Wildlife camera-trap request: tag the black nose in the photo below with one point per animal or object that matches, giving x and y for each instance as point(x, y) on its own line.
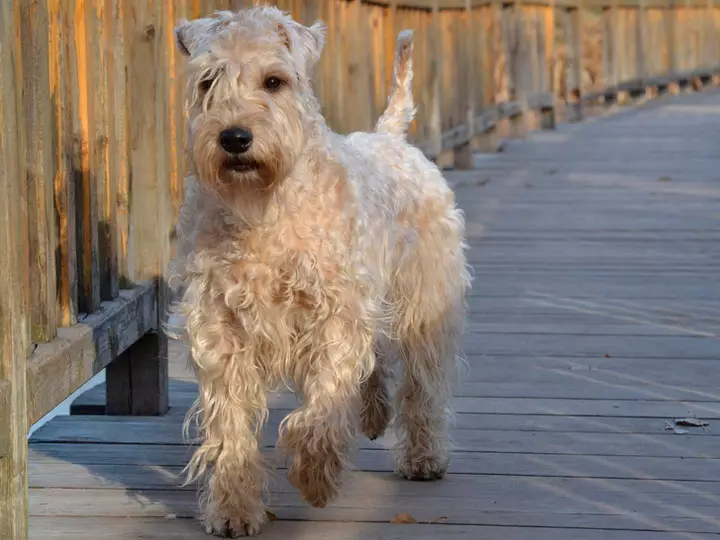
point(236, 140)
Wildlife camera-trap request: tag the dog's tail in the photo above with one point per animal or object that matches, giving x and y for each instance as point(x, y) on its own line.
point(400, 109)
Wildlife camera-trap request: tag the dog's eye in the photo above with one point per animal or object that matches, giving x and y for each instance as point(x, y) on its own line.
point(205, 85)
point(273, 84)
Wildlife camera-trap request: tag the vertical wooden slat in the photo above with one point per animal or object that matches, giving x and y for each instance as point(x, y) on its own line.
point(671, 34)
point(99, 133)
point(86, 198)
point(640, 31)
point(466, 67)
point(610, 52)
point(38, 173)
point(14, 317)
point(574, 25)
point(60, 43)
point(513, 41)
point(548, 47)
point(435, 120)
point(118, 128)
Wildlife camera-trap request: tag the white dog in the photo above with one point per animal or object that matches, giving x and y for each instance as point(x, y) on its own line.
point(309, 259)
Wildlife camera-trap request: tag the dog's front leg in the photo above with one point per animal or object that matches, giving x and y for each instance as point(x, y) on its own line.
point(319, 434)
point(231, 409)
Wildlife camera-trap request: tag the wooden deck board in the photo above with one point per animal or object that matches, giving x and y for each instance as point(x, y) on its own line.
point(594, 321)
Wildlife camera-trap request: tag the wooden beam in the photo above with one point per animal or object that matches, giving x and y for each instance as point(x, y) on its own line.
point(58, 368)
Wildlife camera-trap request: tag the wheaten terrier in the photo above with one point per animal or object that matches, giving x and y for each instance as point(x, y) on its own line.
point(312, 260)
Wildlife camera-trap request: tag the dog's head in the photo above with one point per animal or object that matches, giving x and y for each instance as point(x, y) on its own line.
point(250, 101)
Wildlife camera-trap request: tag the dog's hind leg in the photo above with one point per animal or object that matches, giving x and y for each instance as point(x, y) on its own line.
point(429, 295)
point(376, 411)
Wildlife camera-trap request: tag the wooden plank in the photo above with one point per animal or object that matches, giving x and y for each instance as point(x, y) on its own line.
point(486, 500)
point(86, 200)
point(61, 69)
point(58, 368)
point(99, 132)
point(178, 529)
point(500, 440)
point(5, 418)
point(169, 429)
point(39, 168)
point(59, 475)
point(14, 311)
point(119, 119)
point(57, 464)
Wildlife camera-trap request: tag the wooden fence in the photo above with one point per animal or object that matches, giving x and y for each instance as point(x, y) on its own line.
point(92, 132)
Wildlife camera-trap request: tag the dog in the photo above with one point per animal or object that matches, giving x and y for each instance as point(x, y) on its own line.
point(310, 260)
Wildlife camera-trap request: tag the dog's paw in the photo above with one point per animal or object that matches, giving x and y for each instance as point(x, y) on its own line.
point(225, 528)
point(425, 468)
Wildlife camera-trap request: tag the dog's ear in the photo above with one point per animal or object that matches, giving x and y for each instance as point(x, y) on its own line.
point(304, 42)
point(191, 35)
point(183, 37)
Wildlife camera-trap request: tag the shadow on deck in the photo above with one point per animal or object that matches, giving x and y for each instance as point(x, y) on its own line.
point(594, 323)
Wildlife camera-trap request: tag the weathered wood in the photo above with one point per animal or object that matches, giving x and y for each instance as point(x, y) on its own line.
point(179, 529)
point(516, 507)
point(150, 201)
point(85, 179)
point(56, 369)
point(14, 310)
point(573, 26)
point(589, 219)
point(135, 378)
point(67, 466)
point(61, 69)
point(39, 168)
point(100, 96)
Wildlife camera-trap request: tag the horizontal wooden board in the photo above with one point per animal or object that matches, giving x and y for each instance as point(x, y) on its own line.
point(185, 529)
point(545, 442)
point(561, 500)
point(66, 465)
point(58, 368)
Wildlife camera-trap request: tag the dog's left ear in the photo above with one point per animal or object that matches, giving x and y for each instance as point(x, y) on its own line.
point(304, 41)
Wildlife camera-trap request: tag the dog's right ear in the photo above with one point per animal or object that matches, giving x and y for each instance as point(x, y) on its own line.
point(192, 35)
point(183, 35)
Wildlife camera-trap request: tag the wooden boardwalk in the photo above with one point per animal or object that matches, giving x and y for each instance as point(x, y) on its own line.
point(594, 323)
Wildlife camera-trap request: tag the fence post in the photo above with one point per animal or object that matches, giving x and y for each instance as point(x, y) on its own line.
point(14, 315)
point(137, 381)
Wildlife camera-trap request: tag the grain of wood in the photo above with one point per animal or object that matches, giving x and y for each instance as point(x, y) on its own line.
point(61, 69)
point(39, 172)
point(14, 312)
point(178, 529)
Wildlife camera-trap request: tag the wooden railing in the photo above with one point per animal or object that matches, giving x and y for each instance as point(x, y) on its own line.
point(91, 163)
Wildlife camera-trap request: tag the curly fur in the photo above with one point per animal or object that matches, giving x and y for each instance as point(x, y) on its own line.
point(323, 265)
